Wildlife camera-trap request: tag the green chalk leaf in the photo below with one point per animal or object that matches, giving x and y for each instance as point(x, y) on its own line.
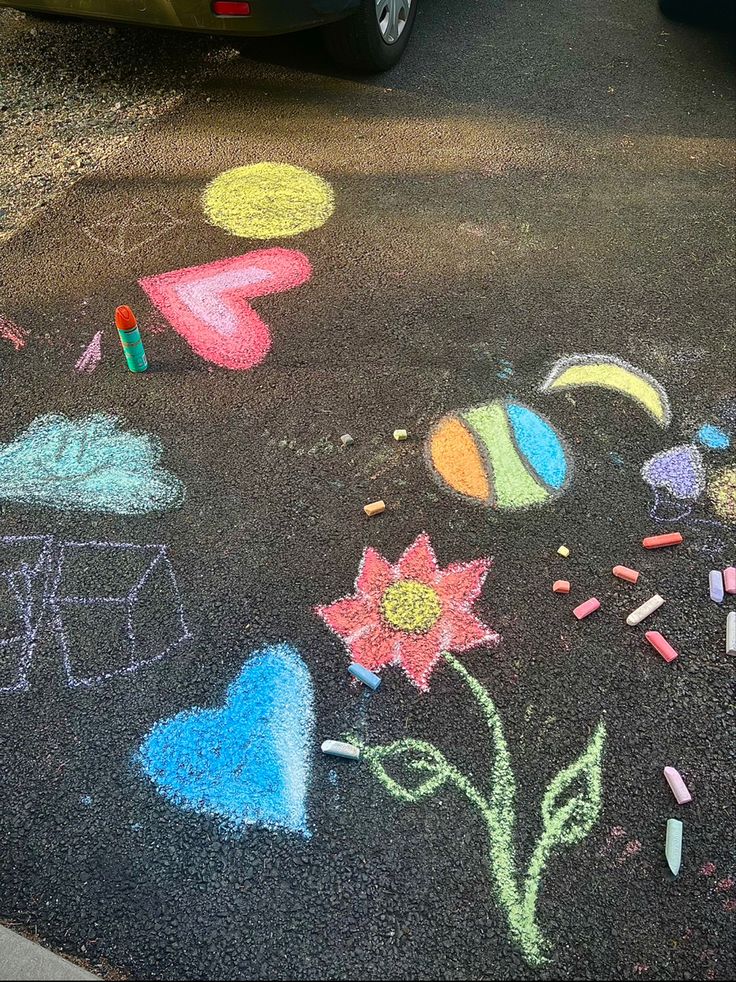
point(572, 803)
point(424, 767)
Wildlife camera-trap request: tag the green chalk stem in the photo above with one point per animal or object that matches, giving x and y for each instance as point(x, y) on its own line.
point(570, 808)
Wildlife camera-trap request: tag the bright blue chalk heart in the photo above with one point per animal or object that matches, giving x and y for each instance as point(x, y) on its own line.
point(248, 762)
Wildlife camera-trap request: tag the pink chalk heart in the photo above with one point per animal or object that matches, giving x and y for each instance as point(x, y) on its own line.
point(210, 305)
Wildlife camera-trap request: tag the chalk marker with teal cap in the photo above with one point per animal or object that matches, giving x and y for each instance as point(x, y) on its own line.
point(130, 339)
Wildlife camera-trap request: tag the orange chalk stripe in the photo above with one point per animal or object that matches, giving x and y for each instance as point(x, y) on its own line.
point(659, 541)
point(624, 573)
point(374, 508)
point(589, 607)
point(561, 586)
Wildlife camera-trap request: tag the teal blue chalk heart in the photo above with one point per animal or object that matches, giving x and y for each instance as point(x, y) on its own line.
point(248, 762)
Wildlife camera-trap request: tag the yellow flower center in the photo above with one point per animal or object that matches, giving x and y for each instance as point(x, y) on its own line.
point(410, 606)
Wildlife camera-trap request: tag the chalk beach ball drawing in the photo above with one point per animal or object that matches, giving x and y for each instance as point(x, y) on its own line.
point(501, 454)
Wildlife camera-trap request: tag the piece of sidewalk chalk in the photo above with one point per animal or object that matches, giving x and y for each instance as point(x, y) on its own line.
point(337, 749)
point(624, 573)
point(589, 607)
point(729, 579)
point(731, 633)
point(661, 645)
point(647, 608)
point(346, 440)
point(563, 551)
point(365, 676)
point(561, 586)
point(374, 508)
point(400, 435)
point(677, 786)
point(715, 585)
point(673, 845)
point(659, 541)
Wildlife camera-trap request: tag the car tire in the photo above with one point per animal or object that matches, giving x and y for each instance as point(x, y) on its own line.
point(365, 42)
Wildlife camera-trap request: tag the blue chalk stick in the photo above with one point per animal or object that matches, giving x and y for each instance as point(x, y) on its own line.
point(364, 676)
point(715, 578)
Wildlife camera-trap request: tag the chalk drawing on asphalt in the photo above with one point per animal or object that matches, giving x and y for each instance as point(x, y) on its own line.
point(268, 200)
point(124, 232)
point(721, 490)
point(501, 454)
point(12, 333)
point(415, 615)
point(90, 464)
point(713, 437)
point(90, 357)
point(247, 763)
point(611, 372)
point(678, 471)
point(108, 608)
point(409, 612)
point(209, 306)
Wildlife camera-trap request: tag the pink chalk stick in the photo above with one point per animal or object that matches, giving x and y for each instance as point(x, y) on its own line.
point(561, 586)
point(589, 607)
point(729, 579)
point(661, 645)
point(677, 786)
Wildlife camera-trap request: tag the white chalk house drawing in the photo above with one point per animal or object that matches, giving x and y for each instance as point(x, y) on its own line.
point(94, 602)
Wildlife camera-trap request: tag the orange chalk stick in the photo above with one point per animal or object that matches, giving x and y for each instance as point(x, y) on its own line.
point(659, 541)
point(624, 573)
point(589, 607)
point(561, 586)
point(661, 645)
point(374, 508)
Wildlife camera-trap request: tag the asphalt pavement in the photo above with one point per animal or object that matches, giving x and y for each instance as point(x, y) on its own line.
point(534, 181)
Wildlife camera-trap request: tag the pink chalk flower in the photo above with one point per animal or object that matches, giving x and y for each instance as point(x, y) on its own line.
point(409, 613)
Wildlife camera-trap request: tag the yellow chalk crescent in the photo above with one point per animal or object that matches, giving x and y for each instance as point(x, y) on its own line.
point(609, 372)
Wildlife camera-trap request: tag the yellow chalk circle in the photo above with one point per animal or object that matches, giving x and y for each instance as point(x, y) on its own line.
point(609, 372)
point(722, 494)
point(266, 201)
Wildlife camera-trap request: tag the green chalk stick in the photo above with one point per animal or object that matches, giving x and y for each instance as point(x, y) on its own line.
point(673, 844)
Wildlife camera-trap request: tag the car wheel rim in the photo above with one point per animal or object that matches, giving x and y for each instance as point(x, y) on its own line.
point(392, 16)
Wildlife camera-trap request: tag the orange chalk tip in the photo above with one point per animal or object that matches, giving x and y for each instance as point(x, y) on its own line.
point(561, 586)
point(589, 607)
point(125, 318)
point(624, 573)
point(659, 541)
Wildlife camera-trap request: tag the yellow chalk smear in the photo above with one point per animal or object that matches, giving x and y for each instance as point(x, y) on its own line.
point(268, 200)
point(609, 375)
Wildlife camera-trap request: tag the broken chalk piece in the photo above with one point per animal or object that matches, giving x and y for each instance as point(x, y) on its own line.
point(647, 608)
point(563, 551)
point(346, 440)
point(659, 541)
point(337, 749)
point(715, 583)
point(374, 508)
point(661, 645)
point(729, 579)
point(677, 786)
point(624, 573)
point(364, 675)
point(673, 845)
point(400, 435)
point(731, 633)
point(589, 607)
point(561, 586)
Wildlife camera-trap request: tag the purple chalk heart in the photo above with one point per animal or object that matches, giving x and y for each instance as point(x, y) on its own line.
point(678, 470)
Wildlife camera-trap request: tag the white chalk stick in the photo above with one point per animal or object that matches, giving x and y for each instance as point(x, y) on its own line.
point(647, 608)
point(337, 749)
point(731, 633)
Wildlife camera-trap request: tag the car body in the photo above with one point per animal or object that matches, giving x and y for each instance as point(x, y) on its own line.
point(367, 35)
point(266, 17)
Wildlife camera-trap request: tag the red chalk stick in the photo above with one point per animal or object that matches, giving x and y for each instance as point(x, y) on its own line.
point(660, 645)
point(658, 541)
point(589, 607)
point(624, 573)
